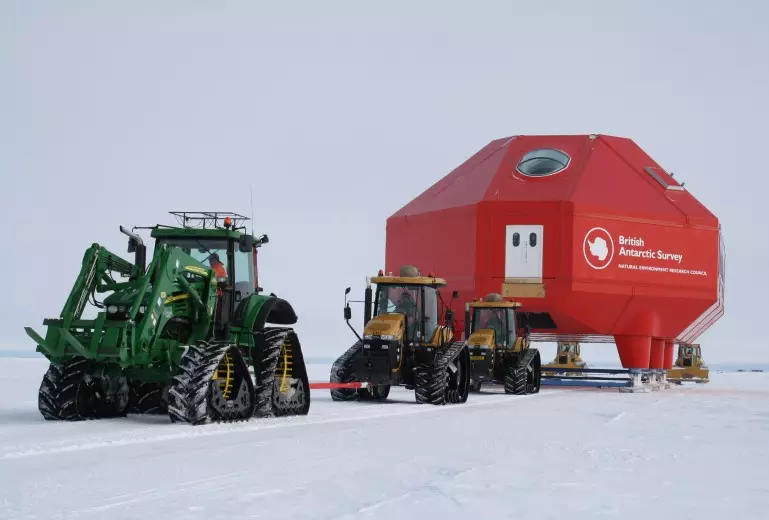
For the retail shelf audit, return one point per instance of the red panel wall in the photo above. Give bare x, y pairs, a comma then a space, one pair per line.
442, 242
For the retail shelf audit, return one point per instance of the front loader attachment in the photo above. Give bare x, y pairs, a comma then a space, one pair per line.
680, 375
70, 336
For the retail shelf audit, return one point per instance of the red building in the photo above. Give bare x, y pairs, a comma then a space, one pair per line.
588, 232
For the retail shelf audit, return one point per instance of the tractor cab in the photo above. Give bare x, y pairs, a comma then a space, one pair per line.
491, 323
498, 341
568, 353
689, 366
405, 308
219, 242
416, 302
688, 355
567, 356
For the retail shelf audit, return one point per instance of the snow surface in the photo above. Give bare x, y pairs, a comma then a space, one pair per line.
687, 452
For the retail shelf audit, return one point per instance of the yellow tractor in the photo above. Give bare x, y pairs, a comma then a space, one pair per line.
567, 356
403, 344
498, 353
689, 366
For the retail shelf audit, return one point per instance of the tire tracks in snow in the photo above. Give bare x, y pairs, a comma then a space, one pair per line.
211, 430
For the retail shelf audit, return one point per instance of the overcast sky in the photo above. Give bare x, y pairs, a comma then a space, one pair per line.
339, 113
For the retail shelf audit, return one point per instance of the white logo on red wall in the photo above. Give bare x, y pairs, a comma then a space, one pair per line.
598, 248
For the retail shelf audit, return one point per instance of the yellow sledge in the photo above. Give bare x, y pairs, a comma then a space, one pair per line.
689, 366
566, 357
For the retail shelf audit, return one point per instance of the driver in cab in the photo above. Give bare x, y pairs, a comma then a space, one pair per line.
497, 324
408, 307
217, 265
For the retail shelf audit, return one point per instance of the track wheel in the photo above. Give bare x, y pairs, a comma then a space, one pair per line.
212, 384
534, 375
459, 377
447, 380
341, 372
282, 385
291, 388
81, 389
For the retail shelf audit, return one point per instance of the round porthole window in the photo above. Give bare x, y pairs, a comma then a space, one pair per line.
543, 162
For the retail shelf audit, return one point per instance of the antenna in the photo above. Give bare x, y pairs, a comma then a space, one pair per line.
251, 191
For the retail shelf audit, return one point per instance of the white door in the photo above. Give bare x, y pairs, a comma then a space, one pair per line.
523, 253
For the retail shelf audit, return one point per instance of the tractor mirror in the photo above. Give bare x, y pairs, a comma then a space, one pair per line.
455, 294
347, 291
246, 243
347, 313
449, 316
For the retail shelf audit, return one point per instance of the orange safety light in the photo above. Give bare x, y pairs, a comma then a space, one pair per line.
227, 222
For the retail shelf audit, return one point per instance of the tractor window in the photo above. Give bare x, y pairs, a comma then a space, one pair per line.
405, 299
204, 250
244, 273
491, 318
431, 312
512, 331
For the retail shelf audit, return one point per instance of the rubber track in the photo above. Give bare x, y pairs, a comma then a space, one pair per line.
341, 372
269, 343
532, 388
516, 378
431, 380
188, 392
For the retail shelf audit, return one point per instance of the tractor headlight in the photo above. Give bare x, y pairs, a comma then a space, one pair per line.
143, 309
385, 337
112, 309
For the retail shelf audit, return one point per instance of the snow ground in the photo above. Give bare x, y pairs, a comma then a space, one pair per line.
687, 452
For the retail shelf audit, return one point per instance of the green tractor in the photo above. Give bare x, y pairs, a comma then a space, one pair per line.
185, 336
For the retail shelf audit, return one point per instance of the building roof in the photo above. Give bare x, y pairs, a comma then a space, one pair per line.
597, 174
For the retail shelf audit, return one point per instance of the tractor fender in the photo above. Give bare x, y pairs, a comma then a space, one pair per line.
530, 355
260, 310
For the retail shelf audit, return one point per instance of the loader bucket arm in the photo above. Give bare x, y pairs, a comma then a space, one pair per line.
172, 276
94, 277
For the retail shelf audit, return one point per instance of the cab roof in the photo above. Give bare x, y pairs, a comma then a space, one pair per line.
429, 281
179, 232
492, 305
